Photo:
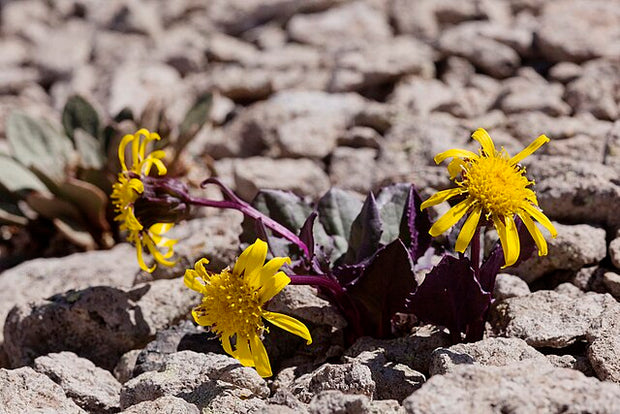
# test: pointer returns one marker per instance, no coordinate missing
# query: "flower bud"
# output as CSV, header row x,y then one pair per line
x,y
163,201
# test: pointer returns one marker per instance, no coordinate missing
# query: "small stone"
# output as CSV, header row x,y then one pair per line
x,y
579,363
309,137
223,48
528,387
612,282
565,72
24,390
575,246
521,94
303,177
386,407
240,84
590,279
614,252
568,289
353,168
123,371
360,137
337,402
593,92
604,338
488,352
352,378
548,319
92,388
166,404
509,286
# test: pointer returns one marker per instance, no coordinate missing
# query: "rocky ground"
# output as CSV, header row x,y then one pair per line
x,y
309,94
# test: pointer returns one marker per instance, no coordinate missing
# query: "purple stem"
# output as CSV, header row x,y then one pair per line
x,y
475,253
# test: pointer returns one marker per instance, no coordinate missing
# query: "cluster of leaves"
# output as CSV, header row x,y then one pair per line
x,y
63,176
378,251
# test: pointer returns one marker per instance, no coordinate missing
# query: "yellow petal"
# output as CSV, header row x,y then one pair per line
x,y
540,241
121,150
242,352
225,339
161,168
456,153
203,319
141,263
160,228
262,276
455,167
482,136
451,217
541,218
272,286
259,354
440,197
157,255
136,155
509,238
193,278
529,150
289,324
468,230
136,185
251,259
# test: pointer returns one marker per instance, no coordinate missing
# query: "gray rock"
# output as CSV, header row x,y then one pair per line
x,y
14,80
612,282
590,279
354,169
286,401
578,30
565,72
413,350
593,92
303,177
41,278
568,289
224,48
612,146
197,378
234,403
337,402
309,137
240,84
579,363
509,286
166,404
547,318
529,125
604,338
614,252
98,323
353,22
92,388
488,352
394,381
352,378
386,407
575,246
25,391
523,94
360,137
123,371
421,96
529,387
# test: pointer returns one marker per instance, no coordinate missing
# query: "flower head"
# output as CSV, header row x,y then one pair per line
x,y
129,188
494,185
232,304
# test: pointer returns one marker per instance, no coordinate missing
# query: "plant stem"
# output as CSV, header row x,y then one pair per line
x,y
475,253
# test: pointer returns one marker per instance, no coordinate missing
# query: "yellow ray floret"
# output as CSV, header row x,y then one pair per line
x,y
128,189
494,185
232,304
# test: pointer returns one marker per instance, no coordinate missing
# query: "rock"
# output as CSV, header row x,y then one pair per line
x,y
166,404
353,169
337,402
376,63
413,350
568,289
92,388
385,407
285,401
353,22
360,137
240,84
309,137
99,323
614,252
521,94
604,338
575,246
578,30
565,72
197,378
579,363
352,378
41,278
181,48
486,53
495,352
303,177
593,92
13,51
509,286
529,125
231,403
14,79
25,391
223,48
393,381
590,279
612,282
421,96
527,387
547,318
123,371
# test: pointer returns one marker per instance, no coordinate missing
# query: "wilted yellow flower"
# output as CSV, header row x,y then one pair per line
x,y
128,189
232,305
494,185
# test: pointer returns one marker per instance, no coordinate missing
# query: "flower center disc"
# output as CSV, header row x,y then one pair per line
x,y
497,185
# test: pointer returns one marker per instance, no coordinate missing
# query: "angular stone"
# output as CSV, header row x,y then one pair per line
x,y
593,92
548,319
197,378
123,371
612,147
509,286
575,246
579,363
337,402
309,137
92,388
521,94
495,352
25,391
529,387
614,252
99,323
604,338
352,378
353,169
166,404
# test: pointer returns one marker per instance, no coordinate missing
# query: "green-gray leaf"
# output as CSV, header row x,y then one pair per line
x,y
78,113
391,202
89,150
16,178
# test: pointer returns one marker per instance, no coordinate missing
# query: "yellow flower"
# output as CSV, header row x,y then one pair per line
x,y
494,184
232,305
128,189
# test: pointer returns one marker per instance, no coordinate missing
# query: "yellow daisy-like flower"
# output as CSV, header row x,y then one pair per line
x,y
494,184
233,301
128,189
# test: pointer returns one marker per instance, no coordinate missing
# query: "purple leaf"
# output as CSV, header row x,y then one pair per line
x,y
306,234
383,288
415,225
492,265
450,296
365,232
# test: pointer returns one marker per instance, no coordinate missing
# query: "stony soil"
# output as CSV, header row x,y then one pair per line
x,y
309,94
